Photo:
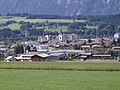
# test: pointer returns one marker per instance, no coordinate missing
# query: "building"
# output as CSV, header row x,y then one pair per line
x,y
117,36
42,47
67,52
3,53
10,58
39,57
32,57
86,47
101,56
57,56
67,37
45,38
115,52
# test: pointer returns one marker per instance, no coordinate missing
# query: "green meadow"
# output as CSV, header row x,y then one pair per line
x,y
58,80
64,65
60,75
18,19
12,26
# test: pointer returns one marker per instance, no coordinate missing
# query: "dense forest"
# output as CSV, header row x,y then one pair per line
x,y
85,26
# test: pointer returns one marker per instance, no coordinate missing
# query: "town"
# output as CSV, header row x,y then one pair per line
x,y
62,47
59,44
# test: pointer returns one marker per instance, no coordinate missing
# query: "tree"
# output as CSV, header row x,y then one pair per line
x,y
89,40
18,49
70,56
113,43
84,43
77,46
102,43
34,49
28,48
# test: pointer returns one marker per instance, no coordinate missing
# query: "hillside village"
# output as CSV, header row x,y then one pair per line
x,y
62,47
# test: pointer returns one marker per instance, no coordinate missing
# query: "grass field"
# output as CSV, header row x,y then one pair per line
x,y
18,19
58,80
68,65
74,75
12,26
92,27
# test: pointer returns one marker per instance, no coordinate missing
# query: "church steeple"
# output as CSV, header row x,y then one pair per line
x,y
61,35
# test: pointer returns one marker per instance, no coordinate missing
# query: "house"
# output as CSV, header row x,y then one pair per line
x,y
10,58
3,53
57,43
42,48
24,57
96,41
10,51
86,47
101,56
115,51
32,57
83,57
97,46
2,45
39,57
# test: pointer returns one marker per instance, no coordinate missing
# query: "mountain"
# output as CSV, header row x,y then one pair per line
x,y
61,7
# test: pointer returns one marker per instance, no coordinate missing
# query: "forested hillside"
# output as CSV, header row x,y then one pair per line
x,y
18,26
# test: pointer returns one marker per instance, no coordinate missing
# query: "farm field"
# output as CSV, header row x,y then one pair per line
x,y
12,26
64,65
58,80
18,19
60,75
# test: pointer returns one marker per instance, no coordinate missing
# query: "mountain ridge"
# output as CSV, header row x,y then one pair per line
x,y
61,7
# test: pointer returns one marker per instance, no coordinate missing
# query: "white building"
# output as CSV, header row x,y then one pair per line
x,y
42,48
67,37
44,38
117,35
28,57
9,58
